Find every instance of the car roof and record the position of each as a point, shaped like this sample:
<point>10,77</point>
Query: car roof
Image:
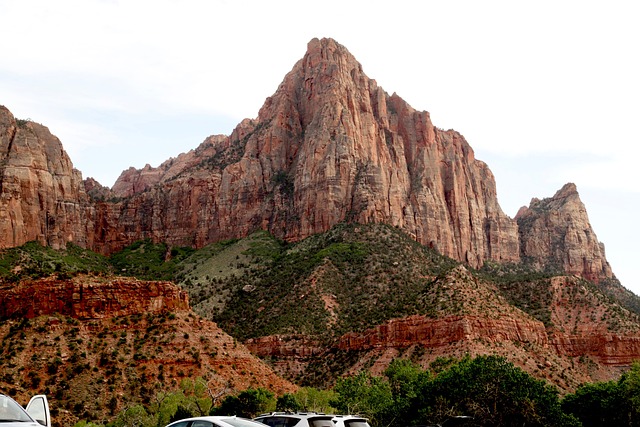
<point>216,418</point>
<point>295,414</point>
<point>350,417</point>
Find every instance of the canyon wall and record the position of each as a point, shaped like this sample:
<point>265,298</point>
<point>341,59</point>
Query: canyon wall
<point>329,146</point>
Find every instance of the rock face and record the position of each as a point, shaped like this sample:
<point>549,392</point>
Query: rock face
<point>329,146</point>
<point>556,232</point>
<point>89,298</point>
<point>42,196</point>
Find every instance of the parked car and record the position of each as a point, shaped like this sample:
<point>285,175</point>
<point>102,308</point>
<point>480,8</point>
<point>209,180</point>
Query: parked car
<point>296,419</point>
<point>215,421</point>
<point>35,415</point>
<point>350,421</point>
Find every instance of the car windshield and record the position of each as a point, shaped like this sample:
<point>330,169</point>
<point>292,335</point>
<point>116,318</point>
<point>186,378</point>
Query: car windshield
<point>11,411</point>
<point>356,423</point>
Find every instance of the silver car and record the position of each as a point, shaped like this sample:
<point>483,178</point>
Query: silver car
<point>215,421</point>
<point>35,415</point>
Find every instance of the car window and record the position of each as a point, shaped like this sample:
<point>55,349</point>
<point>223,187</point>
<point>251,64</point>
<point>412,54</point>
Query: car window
<point>201,423</point>
<point>182,424</point>
<point>39,410</point>
<point>321,422</point>
<point>355,423</point>
<point>279,421</point>
<point>11,411</point>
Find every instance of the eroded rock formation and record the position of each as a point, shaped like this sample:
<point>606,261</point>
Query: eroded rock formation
<point>88,298</point>
<point>42,197</point>
<point>329,146</point>
<point>555,232</point>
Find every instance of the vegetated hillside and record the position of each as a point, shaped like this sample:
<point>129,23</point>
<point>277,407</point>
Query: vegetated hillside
<point>348,279</point>
<point>93,369</point>
<point>358,295</point>
<point>96,343</point>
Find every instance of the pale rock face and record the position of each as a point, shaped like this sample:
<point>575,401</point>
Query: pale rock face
<point>556,231</point>
<point>42,197</point>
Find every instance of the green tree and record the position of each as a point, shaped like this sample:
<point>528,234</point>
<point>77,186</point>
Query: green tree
<point>629,384</point>
<point>608,403</point>
<point>180,414</point>
<point>364,394</point>
<point>288,403</point>
<point>248,403</point>
<point>405,380</point>
<point>315,400</point>
<point>135,416</point>
<point>86,424</point>
<point>598,405</point>
<point>494,392</point>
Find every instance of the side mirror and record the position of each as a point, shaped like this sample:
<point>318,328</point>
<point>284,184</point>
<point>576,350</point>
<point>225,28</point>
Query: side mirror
<point>38,408</point>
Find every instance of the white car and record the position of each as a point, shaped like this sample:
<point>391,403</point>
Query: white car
<point>13,415</point>
<point>214,421</point>
<point>297,419</point>
<point>350,421</point>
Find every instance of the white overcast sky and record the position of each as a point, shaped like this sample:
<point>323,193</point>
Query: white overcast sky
<point>546,92</point>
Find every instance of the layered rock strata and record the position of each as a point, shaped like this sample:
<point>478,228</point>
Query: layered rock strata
<point>329,146</point>
<point>87,298</point>
<point>42,197</point>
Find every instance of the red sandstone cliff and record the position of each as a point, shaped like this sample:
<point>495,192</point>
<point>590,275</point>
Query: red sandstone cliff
<point>42,196</point>
<point>588,338</point>
<point>104,344</point>
<point>88,298</point>
<point>556,231</point>
<point>329,146</point>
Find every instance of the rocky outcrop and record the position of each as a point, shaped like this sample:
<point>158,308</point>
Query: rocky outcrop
<point>97,191</point>
<point>441,332</point>
<point>42,197</point>
<point>88,298</point>
<point>556,233</point>
<point>578,333</point>
<point>604,347</point>
<point>329,146</point>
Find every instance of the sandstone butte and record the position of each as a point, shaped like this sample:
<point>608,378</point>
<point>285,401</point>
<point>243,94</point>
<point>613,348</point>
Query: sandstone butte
<point>329,146</point>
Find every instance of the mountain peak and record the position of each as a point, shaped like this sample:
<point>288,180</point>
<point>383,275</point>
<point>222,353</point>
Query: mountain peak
<point>567,190</point>
<point>556,231</point>
<point>329,146</point>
